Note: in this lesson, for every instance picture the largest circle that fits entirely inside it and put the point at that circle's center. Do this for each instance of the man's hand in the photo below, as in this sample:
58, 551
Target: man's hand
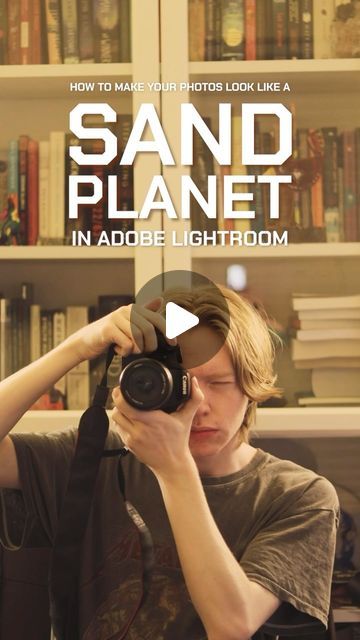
158, 439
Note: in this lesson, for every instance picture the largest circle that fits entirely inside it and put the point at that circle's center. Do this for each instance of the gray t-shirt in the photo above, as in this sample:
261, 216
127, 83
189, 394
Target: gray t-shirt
278, 519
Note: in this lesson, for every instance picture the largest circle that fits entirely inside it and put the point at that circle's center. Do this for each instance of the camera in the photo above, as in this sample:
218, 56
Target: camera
155, 380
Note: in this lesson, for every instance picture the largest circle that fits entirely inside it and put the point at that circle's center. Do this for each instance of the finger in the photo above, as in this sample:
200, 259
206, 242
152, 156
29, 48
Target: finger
132, 414
155, 304
146, 329
158, 321
191, 406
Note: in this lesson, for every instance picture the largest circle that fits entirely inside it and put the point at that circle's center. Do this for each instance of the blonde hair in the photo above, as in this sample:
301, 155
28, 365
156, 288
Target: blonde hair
247, 337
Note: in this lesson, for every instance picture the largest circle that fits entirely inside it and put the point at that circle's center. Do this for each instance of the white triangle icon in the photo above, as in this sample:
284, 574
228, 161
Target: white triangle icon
178, 320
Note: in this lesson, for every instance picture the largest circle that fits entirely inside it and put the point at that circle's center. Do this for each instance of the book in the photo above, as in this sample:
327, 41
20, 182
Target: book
69, 25
77, 380
306, 29
86, 32
263, 33
196, 16
293, 30
24, 31
53, 30
13, 34
5, 342
232, 30
329, 314
33, 192
250, 29
3, 185
10, 221
23, 187
36, 37
3, 32
301, 350
279, 27
304, 303
336, 382
331, 185
350, 210
308, 401
57, 187
44, 193
35, 350
329, 323
326, 363
106, 30
202, 167
125, 31
324, 14
309, 335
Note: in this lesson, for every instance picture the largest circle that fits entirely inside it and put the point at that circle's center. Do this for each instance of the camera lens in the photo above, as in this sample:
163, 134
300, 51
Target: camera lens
146, 384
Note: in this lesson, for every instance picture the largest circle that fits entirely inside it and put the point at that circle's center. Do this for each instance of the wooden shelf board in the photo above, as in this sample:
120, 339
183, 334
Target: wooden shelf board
333, 422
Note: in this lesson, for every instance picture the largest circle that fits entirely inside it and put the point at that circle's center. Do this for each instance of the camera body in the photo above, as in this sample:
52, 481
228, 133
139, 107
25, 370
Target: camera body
155, 380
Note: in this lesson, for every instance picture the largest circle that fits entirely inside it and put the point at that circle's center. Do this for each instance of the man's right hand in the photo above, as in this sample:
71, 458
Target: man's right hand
131, 329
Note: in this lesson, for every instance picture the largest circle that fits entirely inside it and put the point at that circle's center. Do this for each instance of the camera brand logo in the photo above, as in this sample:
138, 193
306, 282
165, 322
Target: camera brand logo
185, 384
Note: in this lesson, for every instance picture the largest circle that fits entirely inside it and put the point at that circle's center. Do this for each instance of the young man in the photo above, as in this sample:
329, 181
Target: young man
235, 531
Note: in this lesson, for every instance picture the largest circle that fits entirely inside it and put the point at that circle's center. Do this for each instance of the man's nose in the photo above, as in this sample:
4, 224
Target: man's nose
204, 406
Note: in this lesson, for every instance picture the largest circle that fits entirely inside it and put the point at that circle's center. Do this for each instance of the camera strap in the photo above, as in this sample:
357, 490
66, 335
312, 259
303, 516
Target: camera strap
67, 550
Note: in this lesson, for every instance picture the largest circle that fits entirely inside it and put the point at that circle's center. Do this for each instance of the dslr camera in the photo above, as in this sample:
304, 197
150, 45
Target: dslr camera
155, 380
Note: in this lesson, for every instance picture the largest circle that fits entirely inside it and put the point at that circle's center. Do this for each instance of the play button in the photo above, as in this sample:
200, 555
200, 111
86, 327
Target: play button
178, 320
195, 312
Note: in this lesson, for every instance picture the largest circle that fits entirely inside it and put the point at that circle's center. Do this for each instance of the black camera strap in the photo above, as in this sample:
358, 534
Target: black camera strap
67, 550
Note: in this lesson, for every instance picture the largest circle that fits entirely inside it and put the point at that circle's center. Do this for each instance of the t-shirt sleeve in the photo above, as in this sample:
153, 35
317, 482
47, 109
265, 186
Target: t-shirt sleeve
29, 517
293, 556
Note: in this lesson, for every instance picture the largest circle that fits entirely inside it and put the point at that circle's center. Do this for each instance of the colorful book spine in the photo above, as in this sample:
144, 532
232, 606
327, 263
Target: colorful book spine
36, 32
106, 30
53, 29
3, 185
86, 33
13, 13
279, 24
25, 31
125, 31
196, 30
250, 30
306, 29
11, 225
350, 213
233, 30
293, 29
69, 23
33, 192
3, 32
331, 185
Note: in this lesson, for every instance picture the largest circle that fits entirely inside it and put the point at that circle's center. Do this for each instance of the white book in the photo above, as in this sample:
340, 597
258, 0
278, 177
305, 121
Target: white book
325, 349
44, 191
77, 380
324, 14
323, 363
335, 382
327, 334
57, 186
329, 314
335, 302
307, 401
330, 323
35, 332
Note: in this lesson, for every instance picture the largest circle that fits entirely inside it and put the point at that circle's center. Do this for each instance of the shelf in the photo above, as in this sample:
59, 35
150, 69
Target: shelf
56, 252
305, 250
294, 422
304, 76
42, 81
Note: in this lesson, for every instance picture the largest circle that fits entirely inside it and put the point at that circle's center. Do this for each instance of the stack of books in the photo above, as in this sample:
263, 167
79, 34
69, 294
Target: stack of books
328, 342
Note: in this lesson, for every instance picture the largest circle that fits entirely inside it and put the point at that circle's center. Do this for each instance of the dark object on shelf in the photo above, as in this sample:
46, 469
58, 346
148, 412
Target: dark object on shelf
274, 402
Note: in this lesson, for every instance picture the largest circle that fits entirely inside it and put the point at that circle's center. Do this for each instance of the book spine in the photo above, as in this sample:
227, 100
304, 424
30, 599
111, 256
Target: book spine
59, 335
3, 186
53, 29
306, 29
203, 166
210, 29
350, 215
5, 342
33, 192
279, 23
35, 351
15, 334
57, 186
86, 33
24, 31
357, 179
263, 33
44, 331
71, 169
294, 29
233, 30
44, 205
106, 30
69, 23
317, 202
125, 31
23, 187
13, 12
9, 220
36, 33
331, 185
250, 30
324, 15
197, 30
125, 200
3, 32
